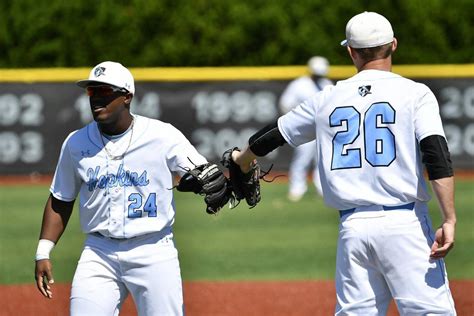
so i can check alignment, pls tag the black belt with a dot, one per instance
(408, 207)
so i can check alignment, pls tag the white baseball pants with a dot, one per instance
(145, 266)
(385, 254)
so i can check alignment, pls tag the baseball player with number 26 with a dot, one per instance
(122, 167)
(374, 131)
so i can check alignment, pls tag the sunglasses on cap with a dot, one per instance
(104, 91)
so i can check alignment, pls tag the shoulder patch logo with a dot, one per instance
(86, 153)
(364, 90)
(99, 71)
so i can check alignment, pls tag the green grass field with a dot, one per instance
(277, 240)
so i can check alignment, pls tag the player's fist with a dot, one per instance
(444, 241)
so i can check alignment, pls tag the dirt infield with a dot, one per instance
(269, 298)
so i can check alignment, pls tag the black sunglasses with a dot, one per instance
(104, 91)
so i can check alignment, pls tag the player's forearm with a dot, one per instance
(444, 191)
(55, 218)
(261, 143)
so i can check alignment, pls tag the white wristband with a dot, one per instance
(44, 249)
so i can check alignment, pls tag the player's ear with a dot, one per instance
(128, 98)
(351, 53)
(394, 44)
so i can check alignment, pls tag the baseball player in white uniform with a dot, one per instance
(304, 155)
(374, 132)
(121, 165)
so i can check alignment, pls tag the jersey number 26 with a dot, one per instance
(379, 141)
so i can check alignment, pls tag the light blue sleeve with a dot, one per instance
(427, 117)
(66, 182)
(298, 126)
(182, 155)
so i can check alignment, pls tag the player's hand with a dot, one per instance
(236, 156)
(444, 241)
(44, 277)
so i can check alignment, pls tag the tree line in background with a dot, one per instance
(153, 33)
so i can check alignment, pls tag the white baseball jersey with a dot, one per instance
(126, 197)
(299, 90)
(367, 128)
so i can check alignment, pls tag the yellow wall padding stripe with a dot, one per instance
(228, 73)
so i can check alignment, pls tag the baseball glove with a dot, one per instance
(244, 185)
(209, 181)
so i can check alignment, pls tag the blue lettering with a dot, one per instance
(142, 180)
(92, 175)
(123, 178)
(102, 182)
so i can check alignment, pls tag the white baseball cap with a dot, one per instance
(368, 29)
(112, 73)
(318, 65)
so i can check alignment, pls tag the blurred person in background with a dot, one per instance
(304, 156)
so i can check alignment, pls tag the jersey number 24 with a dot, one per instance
(134, 209)
(379, 141)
